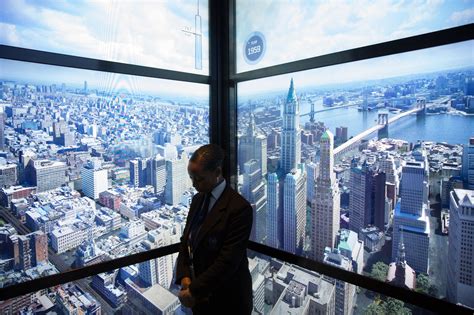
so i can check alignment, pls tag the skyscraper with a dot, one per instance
(287, 186)
(159, 270)
(176, 180)
(460, 275)
(410, 215)
(367, 198)
(294, 210)
(387, 165)
(345, 292)
(468, 164)
(274, 215)
(253, 189)
(8, 175)
(290, 136)
(253, 145)
(325, 208)
(156, 173)
(378, 197)
(138, 172)
(94, 179)
(311, 175)
(360, 184)
(45, 174)
(29, 250)
(2, 128)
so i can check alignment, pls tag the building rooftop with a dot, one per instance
(159, 296)
(347, 239)
(464, 197)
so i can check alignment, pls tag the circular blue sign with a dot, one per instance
(254, 48)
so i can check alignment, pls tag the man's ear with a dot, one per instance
(219, 171)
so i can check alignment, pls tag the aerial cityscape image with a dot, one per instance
(372, 174)
(367, 166)
(93, 167)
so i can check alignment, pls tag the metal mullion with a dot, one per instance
(223, 104)
(428, 40)
(69, 61)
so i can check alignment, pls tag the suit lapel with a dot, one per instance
(214, 215)
(192, 213)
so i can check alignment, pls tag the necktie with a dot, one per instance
(201, 215)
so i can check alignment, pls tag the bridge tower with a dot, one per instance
(311, 113)
(383, 120)
(365, 102)
(421, 103)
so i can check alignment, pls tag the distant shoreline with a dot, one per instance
(458, 112)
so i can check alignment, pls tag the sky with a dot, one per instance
(298, 29)
(148, 32)
(453, 56)
(143, 32)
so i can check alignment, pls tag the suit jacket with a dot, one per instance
(220, 254)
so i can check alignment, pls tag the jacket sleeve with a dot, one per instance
(182, 262)
(233, 250)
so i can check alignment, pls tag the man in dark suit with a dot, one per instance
(212, 265)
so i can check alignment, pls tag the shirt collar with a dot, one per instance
(217, 191)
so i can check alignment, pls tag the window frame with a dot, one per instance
(222, 81)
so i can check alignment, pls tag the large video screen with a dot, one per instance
(163, 34)
(303, 29)
(365, 166)
(93, 165)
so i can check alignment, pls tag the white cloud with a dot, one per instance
(303, 29)
(9, 34)
(141, 32)
(463, 17)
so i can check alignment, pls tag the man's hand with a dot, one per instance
(186, 298)
(185, 283)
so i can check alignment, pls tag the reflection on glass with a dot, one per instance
(303, 29)
(366, 166)
(170, 35)
(92, 165)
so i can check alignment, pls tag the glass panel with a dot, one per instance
(362, 165)
(283, 288)
(302, 29)
(144, 288)
(278, 288)
(164, 34)
(92, 165)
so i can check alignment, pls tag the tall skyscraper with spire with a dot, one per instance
(325, 208)
(291, 133)
(287, 187)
